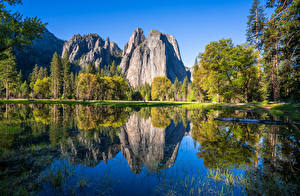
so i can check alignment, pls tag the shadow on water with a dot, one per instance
(85, 149)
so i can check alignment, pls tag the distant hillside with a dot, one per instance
(39, 53)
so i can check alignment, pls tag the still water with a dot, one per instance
(101, 150)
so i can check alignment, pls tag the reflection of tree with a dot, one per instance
(223, 145)
(24, 152)
(160, 117)
(279, 172)
(42, 114)
(91, 117)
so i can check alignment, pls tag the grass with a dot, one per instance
(290, 110)
(118, 103)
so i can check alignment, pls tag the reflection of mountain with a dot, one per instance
(89, 148)
(141, 143)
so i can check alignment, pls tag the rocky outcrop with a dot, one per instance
(89, 148)
(189, 72)
(92, 48)
(40, 52)
(143, 144)
(158, 55)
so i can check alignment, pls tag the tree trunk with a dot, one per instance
(7, 90)
(275, 79)
(218, 98)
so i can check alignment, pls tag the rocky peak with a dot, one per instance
(158, 55)
(92, 48)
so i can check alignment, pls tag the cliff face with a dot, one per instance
(158, 55)
(143, 144)
(87, 150)
(92, 49)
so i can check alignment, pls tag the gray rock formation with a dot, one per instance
(143, 144)
(92, 48)
(90, 151)
(158, 55)
(189, 72)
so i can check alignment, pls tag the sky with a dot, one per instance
(194, 23)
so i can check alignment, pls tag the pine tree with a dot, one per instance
(19, 81)
(8, 71)
(184, 88)
(24, 90)
(255, 27)
(56, 75)
(43, 73)
(67, 85)
(34, 76)
(91, 68)
(176, 89)
(113, 69)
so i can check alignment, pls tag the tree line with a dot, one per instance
(265, 68)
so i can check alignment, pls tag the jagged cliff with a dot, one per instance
(144, 144)
(158, 55)
(89, 148)
(92, 48)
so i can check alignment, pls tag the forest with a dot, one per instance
(266, 67)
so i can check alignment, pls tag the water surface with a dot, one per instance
(102, 150)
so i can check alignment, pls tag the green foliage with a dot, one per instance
(86, 85)
(281, 40)
(16, 30)
(56, 76)
(184, 89)
(112, 88)
(24, 88)
(91, 68)
(145, 91)
(227, 73)
(8, 71)
(42, 87)
(67, 81)
(255, 25)
(176, 89)
(160, 88)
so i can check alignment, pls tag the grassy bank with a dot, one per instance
(118, 103)
(274, 108)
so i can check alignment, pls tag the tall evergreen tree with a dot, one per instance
(255, 27)
(113, 69)
(34, 76)
(56, 75)
(184, 88)
(8, 71)
(283, 39)
(91, 68)
(176, 89)
(43, 73)
(67, 85)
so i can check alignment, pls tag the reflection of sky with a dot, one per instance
(115, 177)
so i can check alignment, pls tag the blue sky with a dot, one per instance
(194, 23)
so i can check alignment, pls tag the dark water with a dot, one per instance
(100, 150)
